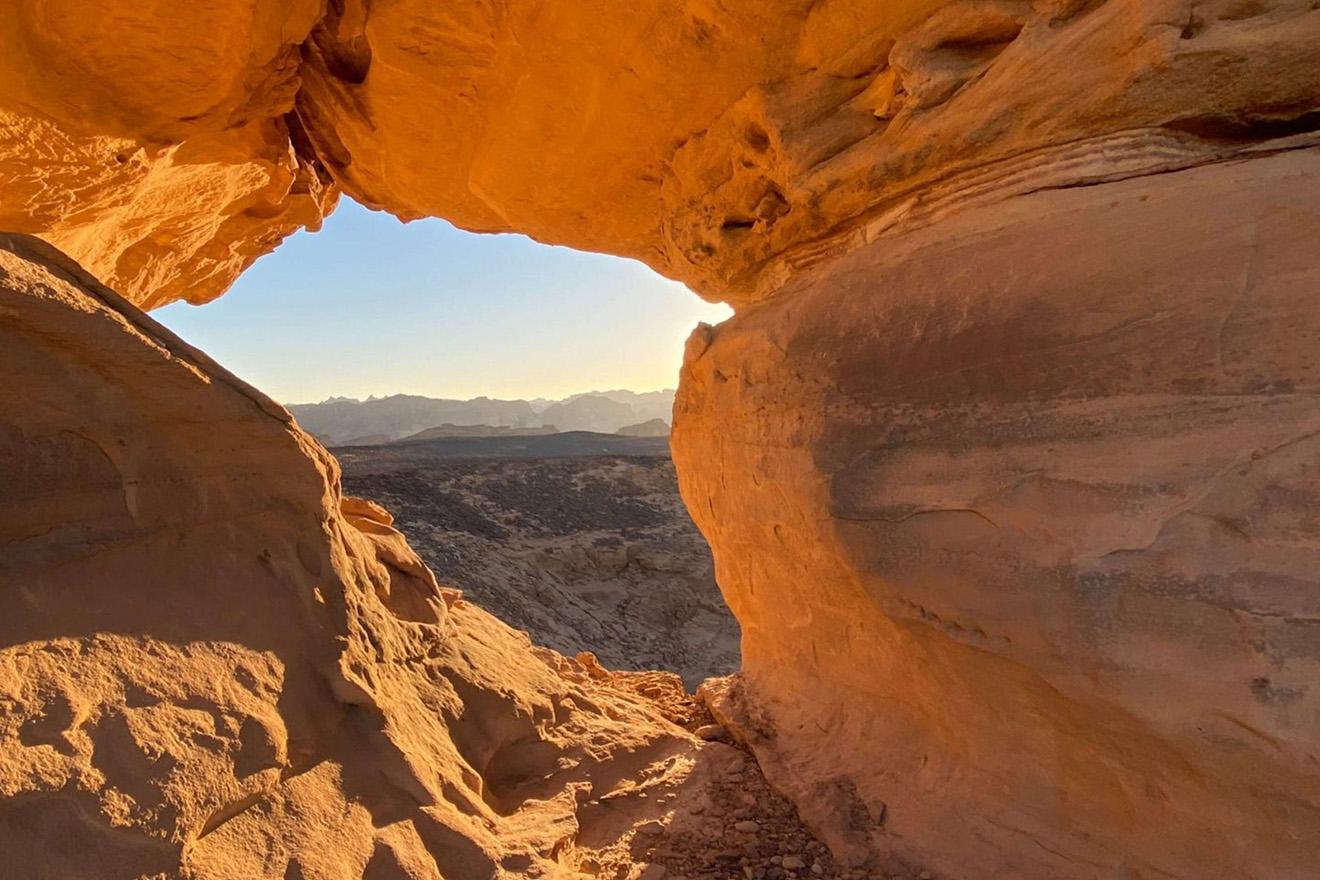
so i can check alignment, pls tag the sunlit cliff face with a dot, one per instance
(1005, 458)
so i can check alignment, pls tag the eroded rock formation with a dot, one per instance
(724, 144)
(214, 666)
(152, 141)
(1028, 579)
(1002, 459)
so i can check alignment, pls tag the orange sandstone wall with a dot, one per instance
(151, 141)
(730, 145)
(1017, 516)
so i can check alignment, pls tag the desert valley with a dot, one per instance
(580, 539)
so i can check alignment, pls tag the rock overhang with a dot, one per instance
(727, 146)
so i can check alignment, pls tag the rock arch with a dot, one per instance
(1013, 480)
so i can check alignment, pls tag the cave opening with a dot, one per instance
(509, 403)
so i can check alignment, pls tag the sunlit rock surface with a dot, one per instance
(1003, 458)
(727, 145)
(151, 141)
(213, 666)
(1028, 581)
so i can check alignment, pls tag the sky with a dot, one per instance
(371, 306)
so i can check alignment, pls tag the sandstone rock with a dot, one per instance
(409, 588)
(662, 131)
(205, 666)
(711, 733)
(1005, 459)
(764, 154)
(1044, 535)
(151, 140)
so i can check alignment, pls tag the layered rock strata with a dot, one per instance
(1027, 582)
(728, 145)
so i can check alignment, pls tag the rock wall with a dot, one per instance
(1027, 581)
(152, 141)
(1002, 458)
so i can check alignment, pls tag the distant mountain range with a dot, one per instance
(342, 421)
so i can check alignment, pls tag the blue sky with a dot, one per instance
(370, 305)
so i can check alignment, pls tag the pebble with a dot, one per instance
(793, 863)
(747, 826)
(712, 733)
(925, 875)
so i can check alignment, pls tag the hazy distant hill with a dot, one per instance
(342, 421)
(648, 428)
(589, 412)
(444, 431)
(566, 444)
(646, 405)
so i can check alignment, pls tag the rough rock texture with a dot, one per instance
(728, 145)
(1027, 582)
(212, 665)
(151, 140)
